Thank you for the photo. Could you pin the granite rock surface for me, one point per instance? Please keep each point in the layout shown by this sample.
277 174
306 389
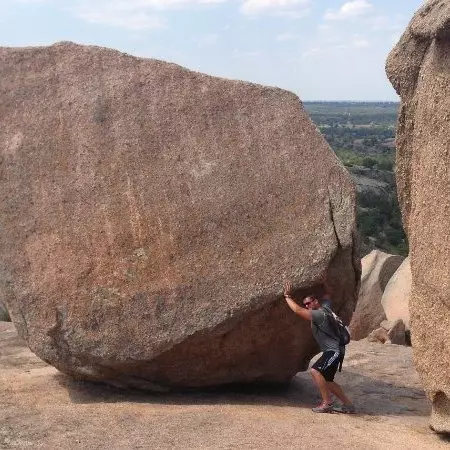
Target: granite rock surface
150 215
419 69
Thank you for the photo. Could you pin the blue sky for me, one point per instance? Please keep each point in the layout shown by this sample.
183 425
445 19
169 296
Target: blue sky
319 49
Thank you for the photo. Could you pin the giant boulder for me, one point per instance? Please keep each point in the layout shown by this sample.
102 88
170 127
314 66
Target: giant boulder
419 69
150 214
377 269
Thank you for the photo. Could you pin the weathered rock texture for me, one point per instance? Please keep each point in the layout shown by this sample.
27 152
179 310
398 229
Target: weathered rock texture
150 214
395 299
377 269
4 316
419 69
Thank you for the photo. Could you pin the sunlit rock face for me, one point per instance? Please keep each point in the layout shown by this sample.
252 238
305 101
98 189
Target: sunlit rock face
397 294
150 215
377 269
419 69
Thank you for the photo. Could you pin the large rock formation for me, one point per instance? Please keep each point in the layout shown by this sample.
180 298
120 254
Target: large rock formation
377 269
419 69
150 214
395 299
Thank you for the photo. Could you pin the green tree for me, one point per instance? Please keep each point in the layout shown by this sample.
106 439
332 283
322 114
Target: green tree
369 162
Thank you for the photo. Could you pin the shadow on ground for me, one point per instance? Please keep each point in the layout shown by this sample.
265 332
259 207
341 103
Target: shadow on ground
371 396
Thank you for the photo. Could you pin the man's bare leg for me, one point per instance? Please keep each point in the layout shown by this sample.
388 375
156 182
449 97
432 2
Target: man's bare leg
338 392
322 385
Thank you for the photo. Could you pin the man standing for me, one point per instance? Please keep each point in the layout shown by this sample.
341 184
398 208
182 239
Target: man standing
324 369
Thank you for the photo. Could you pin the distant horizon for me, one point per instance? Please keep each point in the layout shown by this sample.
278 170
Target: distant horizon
351 101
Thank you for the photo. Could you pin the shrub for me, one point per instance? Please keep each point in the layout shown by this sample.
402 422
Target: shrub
386 164
369 162
394 236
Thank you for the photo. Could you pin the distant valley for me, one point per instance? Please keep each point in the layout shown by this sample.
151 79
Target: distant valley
362 134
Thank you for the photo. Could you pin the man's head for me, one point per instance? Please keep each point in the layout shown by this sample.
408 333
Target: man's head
311 302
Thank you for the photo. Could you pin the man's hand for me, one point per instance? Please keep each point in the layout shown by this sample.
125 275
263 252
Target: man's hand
302 312
287 289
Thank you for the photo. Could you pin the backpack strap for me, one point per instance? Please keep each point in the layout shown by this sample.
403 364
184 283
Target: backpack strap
331 316
342 354
324 332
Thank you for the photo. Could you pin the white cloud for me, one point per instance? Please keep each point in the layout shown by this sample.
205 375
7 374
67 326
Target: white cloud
329 45
284 37
128 18
383 23
291 8
326 51
360 42
131 14
159 4
207 40
237 54
380 23
327 34
144 14
355 8
312 52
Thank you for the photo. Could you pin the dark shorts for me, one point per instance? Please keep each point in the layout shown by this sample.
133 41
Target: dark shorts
328 364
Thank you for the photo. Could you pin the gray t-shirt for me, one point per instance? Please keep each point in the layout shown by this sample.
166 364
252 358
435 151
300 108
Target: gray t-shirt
323 332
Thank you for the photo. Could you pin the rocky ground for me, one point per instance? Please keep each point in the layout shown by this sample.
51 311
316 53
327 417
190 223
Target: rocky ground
41 408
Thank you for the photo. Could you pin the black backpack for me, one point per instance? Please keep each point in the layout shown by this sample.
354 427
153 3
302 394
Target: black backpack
341 332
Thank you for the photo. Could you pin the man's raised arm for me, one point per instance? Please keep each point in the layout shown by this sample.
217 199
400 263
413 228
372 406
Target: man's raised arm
302 312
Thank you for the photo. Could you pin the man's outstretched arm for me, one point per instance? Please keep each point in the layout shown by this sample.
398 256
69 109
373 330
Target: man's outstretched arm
302 312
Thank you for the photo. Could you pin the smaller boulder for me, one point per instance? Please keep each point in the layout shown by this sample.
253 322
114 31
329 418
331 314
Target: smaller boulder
378 335
397 334
390 332
395 299
377 269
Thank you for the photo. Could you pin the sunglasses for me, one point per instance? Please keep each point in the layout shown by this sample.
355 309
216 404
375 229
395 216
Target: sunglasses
306 304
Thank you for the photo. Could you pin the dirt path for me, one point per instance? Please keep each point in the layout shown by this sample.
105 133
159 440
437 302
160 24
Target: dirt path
41 408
